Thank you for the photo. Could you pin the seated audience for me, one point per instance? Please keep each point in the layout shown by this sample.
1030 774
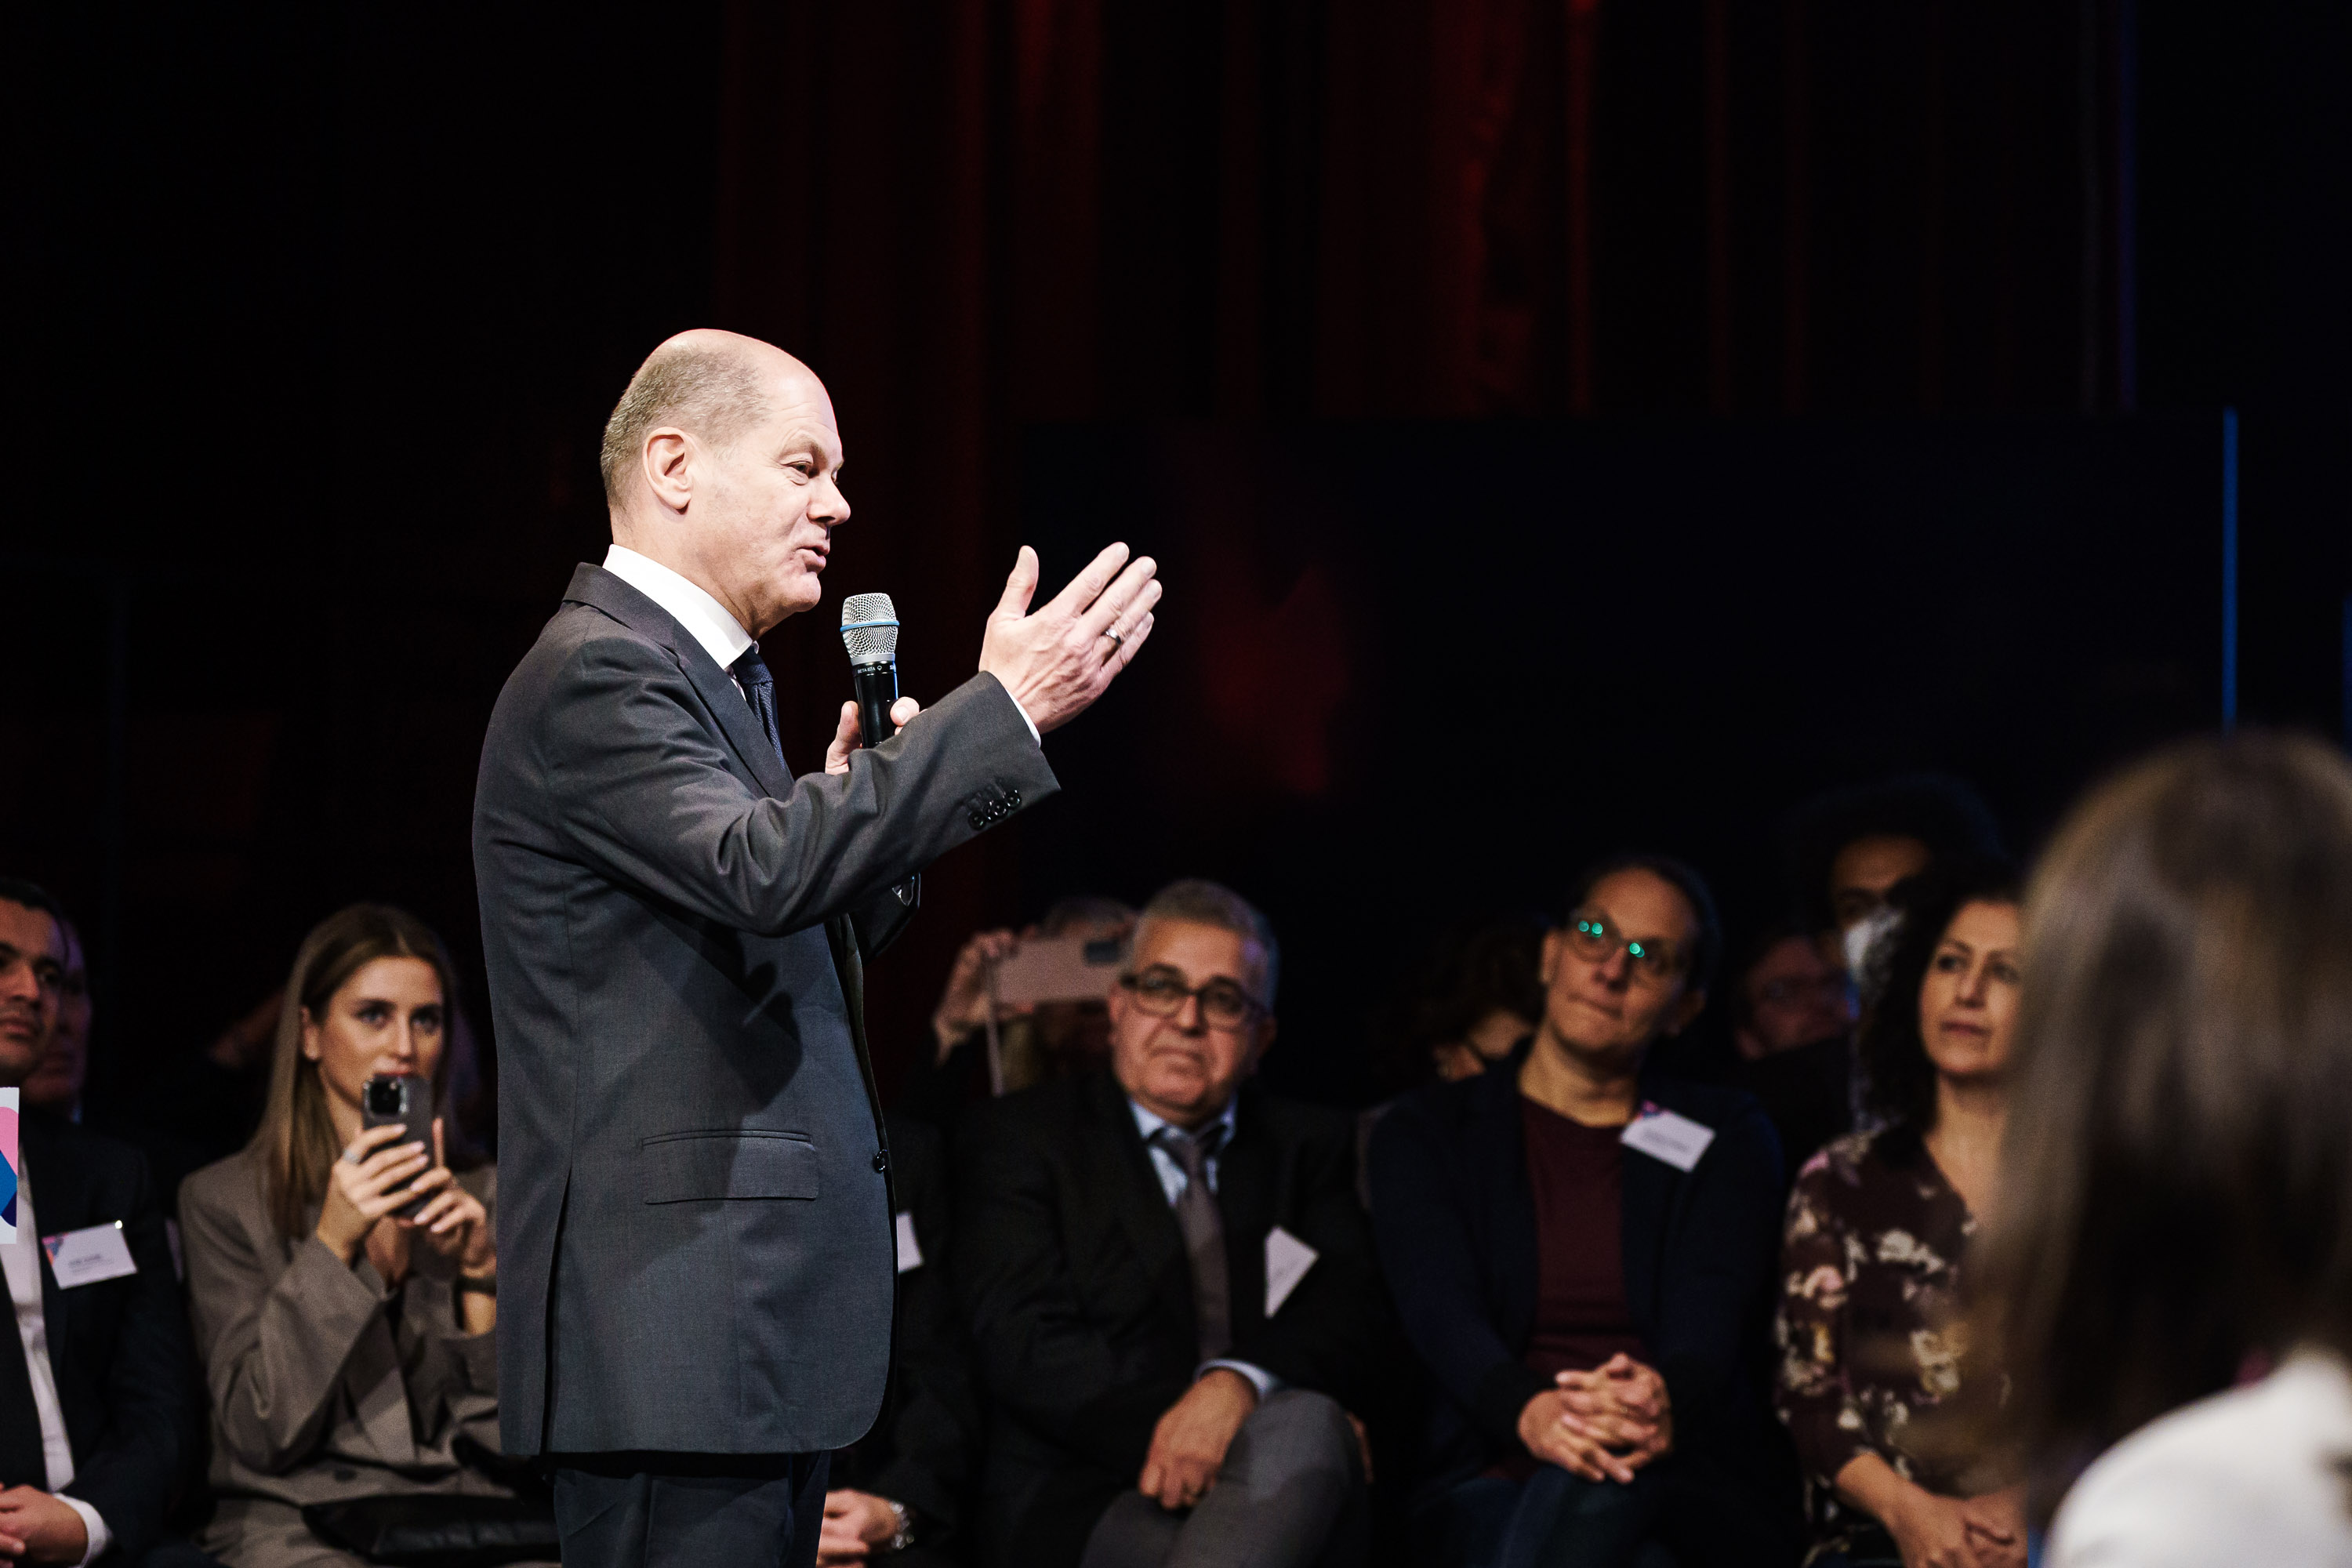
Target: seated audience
1465 1007
1473 1000
1581 1252
348 1344
1033 1042
1849 848
1891 1415
901 1491
1168 1280
2174 1240
201 1105
1790 1043
55 1084
99 1412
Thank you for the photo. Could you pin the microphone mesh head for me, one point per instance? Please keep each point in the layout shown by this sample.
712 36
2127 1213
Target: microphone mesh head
869 628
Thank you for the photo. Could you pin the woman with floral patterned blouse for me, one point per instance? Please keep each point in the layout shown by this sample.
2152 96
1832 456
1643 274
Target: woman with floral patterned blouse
1889 1411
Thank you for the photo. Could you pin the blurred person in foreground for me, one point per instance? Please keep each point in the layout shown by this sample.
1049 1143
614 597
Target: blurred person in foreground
1891 1406
1168 1280
1581 1252
349 1348
99 1412
1039 1040
2173 1248
675 926
903 1490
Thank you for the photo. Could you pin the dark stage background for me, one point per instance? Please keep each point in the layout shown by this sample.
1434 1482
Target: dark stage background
1817 385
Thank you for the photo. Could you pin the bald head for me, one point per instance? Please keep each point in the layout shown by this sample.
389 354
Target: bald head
712 384
722 463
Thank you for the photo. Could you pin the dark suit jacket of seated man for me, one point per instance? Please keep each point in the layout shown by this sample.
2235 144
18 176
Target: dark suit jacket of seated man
695 1235
1086 1312
99 1460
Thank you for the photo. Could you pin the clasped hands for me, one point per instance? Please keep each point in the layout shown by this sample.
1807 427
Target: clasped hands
1054 661
1601 1425
39 1527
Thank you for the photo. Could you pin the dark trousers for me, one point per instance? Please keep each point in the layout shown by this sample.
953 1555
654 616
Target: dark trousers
689 1511
1551 1519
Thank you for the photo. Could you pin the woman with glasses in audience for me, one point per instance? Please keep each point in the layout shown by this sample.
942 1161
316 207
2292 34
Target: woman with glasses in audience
343 1278
2174 1243
1581 1251
1891 1415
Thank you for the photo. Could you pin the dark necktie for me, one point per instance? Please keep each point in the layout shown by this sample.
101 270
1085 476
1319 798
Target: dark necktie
1204 1235
759 691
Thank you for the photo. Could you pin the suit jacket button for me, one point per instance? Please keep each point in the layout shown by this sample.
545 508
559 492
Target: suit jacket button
881 1160
979 821
1013 799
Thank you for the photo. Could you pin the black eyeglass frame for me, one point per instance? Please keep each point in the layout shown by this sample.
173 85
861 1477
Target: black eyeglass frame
1654 959
1252 1008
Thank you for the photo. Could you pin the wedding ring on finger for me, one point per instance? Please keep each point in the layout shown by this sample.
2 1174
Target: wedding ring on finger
1114 637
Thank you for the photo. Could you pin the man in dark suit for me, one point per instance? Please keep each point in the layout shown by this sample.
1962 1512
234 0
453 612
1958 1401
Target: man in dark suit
695 1222
99 1409
1169 1283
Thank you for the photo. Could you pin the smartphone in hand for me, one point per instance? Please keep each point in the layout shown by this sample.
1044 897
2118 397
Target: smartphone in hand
400 1099
1059 969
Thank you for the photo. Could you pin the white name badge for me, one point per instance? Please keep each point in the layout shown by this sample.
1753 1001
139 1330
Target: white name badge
87 1256
1663 1135
1287 1260
910 1256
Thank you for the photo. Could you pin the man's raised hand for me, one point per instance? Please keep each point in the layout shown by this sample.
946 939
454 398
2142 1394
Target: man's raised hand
1057 661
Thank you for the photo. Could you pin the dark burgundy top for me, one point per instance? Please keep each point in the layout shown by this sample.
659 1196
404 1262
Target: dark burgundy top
1578 1175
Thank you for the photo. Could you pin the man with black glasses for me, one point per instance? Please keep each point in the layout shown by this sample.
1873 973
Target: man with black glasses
1169 1281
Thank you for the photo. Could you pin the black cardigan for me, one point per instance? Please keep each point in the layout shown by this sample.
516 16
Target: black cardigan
1455 1224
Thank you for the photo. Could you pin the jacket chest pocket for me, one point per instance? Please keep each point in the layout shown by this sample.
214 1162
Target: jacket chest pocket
691 1167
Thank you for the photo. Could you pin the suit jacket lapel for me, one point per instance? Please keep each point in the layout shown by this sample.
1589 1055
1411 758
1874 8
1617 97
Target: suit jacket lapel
1248 1181
1501 1138
62 1205
1138 1198
595 586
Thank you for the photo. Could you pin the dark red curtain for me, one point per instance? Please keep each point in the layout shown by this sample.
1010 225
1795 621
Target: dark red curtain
972 218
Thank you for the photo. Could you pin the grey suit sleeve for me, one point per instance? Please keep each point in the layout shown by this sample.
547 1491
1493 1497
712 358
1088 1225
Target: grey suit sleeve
273 1336
643 792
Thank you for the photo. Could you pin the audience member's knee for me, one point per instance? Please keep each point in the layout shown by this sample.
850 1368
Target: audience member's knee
1308 1429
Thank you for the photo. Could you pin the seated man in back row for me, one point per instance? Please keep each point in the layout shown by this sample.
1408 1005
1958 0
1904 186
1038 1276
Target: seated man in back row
1171 1284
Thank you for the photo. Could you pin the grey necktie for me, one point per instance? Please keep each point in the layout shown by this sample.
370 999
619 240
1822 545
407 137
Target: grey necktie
1204 1235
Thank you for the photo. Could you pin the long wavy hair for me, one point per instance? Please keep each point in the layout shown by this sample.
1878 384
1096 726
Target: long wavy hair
1900 1077
2176 1183
296 1144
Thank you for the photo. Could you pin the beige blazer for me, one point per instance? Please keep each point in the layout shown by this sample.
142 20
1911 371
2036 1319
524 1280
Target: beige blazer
324 1384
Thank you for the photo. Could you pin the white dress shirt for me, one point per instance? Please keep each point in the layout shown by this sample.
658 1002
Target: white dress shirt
706 620
1172 1182
22 1259
2252 1476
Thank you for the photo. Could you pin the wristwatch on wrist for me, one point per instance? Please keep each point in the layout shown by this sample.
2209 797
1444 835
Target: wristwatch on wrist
487 1286
905 1537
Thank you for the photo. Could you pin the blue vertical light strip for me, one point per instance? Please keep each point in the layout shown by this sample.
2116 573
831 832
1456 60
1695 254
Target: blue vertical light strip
2229 568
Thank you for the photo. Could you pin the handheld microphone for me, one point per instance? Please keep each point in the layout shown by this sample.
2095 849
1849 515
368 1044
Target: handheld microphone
869 630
